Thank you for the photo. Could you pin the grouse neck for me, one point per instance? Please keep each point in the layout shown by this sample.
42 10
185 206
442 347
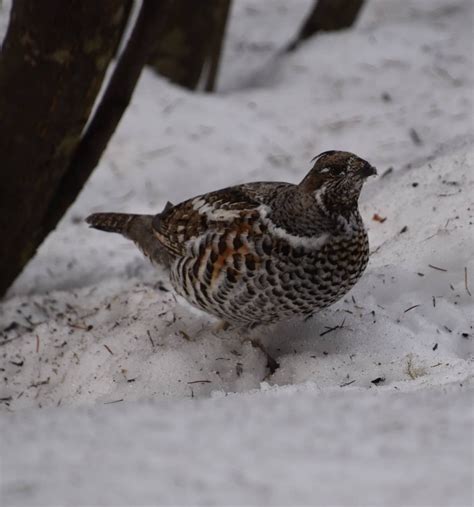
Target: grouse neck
300 214
341 215
333 202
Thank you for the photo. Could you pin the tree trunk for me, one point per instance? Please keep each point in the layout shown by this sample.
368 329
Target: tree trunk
113 104
326 16
52 65
190 42
221 15
128 8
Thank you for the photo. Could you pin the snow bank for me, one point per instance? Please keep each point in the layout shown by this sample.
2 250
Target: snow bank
371 403
281 446
408 322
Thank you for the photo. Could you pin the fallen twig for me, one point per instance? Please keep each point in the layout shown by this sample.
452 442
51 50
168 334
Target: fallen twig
150 338
465 281
185 335
108 349
40 383
415 137
437 268
79 326
347 383
330 329
411 308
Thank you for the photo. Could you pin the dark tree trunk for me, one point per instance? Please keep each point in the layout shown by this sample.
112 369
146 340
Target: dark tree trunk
328 15
52 65
108 115
221 15
128 7
190 41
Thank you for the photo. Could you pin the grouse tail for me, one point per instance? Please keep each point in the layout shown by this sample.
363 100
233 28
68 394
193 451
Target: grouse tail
138 228
112 222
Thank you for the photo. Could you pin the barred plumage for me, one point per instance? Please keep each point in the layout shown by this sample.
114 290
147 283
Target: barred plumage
261 252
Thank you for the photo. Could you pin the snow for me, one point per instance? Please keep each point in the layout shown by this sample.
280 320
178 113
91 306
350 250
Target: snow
280 446
372 403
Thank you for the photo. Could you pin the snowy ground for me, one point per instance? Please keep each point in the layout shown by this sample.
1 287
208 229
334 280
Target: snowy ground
372 403
286 446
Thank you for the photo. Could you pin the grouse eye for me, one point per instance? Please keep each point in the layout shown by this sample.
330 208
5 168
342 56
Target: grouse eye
334 170
338 170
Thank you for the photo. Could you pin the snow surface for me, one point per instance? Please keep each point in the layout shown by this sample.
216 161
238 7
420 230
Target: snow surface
372 403
294 445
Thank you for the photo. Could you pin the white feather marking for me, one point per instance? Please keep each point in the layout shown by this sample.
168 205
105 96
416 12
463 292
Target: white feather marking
347 226
311 242
318 197
213 213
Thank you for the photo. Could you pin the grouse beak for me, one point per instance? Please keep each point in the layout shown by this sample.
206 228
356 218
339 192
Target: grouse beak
368 170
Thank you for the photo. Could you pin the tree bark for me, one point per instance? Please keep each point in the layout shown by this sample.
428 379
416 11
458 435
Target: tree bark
221 15
52 64
108 114
190 41
328 15
128 8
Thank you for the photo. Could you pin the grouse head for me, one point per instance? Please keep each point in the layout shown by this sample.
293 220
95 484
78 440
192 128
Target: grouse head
336 178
